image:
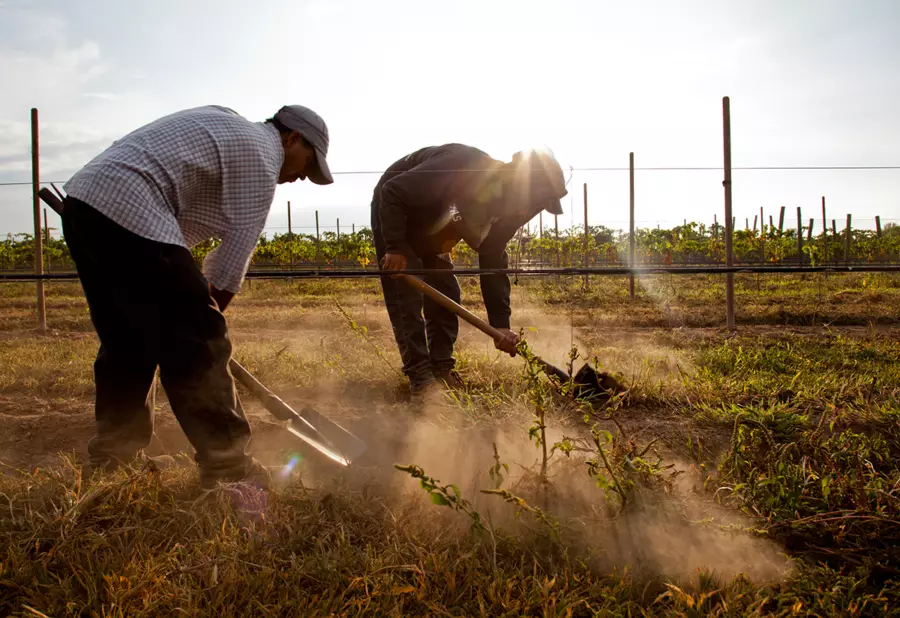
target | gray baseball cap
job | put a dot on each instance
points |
(309, 124)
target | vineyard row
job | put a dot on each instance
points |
(691, 243)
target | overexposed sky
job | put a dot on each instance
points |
(812, 83)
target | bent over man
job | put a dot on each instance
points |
(424, 205)
(131, 215)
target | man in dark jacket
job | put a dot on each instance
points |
(424, 205)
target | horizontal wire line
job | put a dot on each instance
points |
(602, 169)
(302, 273)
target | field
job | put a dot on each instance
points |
(747, 474)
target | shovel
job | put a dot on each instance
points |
(319, 432)
(309, 424)
(588, 382)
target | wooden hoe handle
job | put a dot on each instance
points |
(456, 308)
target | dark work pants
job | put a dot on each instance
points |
(151, 306)
(426, 346)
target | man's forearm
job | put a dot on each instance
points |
(222, 297)
(495, 289)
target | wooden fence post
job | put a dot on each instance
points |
(799, 236)
(541, 236)
(781, 221)
(878, 226)
(556, 232)
(318, 240)
(847, 240)
(631, 224)
(47, 238)
(809, 231)
(824, 233)
(36, 202)
(729, 255)
(290, 236)
(762, 236)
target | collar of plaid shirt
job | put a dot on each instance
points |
(197, 174)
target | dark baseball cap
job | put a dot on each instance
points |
(311, 126)
(541, 179)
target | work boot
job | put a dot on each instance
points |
(427, 391)
(107, 465)
(157, 463)
(450, 378)
(254, 474)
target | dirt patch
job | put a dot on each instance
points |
(35, 432)
(38, 432)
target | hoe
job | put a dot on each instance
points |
(588, 382)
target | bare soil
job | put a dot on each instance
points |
(36, 429)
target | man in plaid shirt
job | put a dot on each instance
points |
(131, 215)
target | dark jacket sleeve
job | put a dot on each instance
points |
(495, 288)
(432, 181)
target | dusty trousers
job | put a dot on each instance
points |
(151, 307)
(425, 332)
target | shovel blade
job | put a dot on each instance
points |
(317, 445)
(591, 384)
(326, 436)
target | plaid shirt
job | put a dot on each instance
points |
(196, 174)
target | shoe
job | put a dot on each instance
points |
(254, 474)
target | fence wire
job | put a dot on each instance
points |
(473, 272)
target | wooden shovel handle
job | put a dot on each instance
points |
(272, 402)
(456, 308)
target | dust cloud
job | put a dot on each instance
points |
(672, 535)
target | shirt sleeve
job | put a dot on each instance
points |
(436, 180)
(248, 190)
(226, 265)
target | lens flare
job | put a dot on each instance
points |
(289, 466)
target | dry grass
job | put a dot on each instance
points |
(651, 540)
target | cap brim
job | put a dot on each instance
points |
(554, 207)
(322, 174)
